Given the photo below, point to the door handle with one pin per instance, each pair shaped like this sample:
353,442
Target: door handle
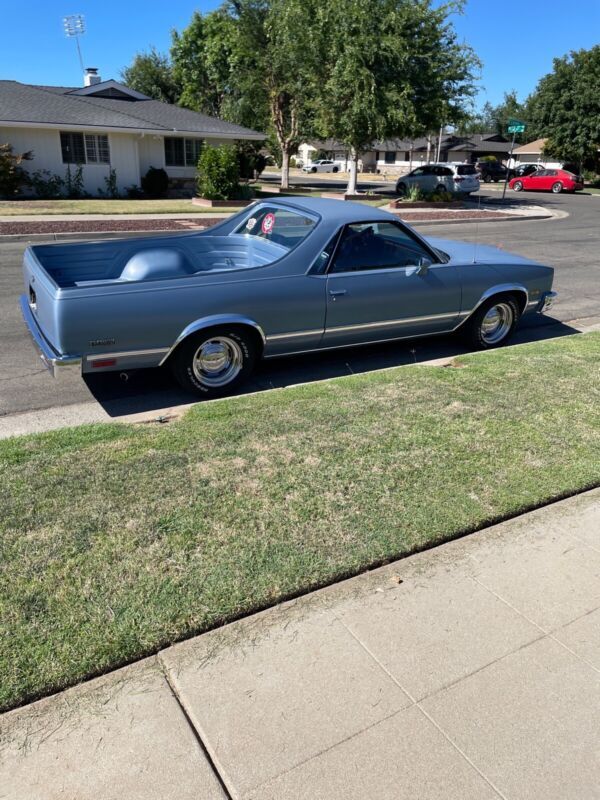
337,293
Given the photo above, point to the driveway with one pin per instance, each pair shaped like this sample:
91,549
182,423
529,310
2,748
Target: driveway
569,245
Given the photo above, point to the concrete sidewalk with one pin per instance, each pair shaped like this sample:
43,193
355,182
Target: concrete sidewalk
467,672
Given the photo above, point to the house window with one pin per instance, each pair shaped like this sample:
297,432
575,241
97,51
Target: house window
390,157
182,152
90,148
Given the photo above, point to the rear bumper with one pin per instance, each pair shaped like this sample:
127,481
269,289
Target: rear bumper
56,363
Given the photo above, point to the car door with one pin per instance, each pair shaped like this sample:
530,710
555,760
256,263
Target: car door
376,289
536,182
422,177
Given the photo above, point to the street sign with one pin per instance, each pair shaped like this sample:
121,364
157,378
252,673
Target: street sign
516,126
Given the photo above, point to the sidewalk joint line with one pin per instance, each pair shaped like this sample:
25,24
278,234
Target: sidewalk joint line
196,733
547,633
425,714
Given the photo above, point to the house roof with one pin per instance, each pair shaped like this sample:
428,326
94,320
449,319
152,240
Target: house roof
477,142
532,148
107,105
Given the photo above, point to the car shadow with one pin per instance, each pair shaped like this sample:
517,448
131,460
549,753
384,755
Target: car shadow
147,390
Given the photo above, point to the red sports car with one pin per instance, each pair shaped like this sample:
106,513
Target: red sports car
548,180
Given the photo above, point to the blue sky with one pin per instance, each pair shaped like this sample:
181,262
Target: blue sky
515,39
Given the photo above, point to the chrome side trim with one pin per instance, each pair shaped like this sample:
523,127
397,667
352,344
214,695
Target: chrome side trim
275,337
392,322
57,364
126,354
210,322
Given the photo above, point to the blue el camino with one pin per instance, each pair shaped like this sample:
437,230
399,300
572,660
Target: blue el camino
283,276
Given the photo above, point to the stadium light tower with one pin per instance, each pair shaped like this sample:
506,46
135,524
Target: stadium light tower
74,26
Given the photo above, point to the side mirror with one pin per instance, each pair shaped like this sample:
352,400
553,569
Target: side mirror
424,264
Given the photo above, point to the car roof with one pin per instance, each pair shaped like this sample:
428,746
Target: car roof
339,211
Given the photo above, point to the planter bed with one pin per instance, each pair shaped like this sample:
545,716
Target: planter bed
202,201
425,204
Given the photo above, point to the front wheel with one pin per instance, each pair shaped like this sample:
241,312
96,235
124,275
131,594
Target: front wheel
493,323
557,187
213,363
314,169
401,189
518,186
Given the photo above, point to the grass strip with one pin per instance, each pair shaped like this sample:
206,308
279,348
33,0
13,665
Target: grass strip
118,540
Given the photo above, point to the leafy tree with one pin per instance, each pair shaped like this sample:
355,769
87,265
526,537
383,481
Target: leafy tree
565,108
12,175
495,119
389,68
151,73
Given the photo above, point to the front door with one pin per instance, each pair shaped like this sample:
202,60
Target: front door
380,286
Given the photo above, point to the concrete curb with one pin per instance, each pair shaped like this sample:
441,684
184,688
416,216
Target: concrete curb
88,413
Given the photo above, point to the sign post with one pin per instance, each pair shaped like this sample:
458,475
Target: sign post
514,126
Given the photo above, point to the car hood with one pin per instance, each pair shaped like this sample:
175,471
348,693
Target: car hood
471,252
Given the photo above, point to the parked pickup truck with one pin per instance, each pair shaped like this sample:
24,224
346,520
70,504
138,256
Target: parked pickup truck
283,276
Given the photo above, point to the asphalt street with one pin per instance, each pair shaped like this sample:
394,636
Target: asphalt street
570,245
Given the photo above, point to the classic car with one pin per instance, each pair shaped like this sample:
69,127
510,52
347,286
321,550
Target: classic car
283,276
548,180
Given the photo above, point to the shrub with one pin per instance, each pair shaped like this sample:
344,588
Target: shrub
134,192
251,161
218,173
12,175
414,194
74,187
155,183
110,182
46,185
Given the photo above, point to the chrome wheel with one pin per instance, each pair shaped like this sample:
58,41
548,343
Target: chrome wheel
497,323
217,361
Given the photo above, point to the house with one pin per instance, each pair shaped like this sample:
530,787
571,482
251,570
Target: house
395,156
532,153
105,126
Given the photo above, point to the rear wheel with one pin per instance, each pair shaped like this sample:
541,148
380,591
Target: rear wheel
214,362
557,187
518,186
335,169
440,187
493,323
487,178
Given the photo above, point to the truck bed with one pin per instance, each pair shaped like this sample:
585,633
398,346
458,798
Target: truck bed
97,263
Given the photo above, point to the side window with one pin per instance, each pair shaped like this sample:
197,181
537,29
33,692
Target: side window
418,171
376,245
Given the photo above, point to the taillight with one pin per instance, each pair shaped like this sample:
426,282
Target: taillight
104,362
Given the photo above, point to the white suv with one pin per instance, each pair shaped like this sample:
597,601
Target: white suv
448,176
322,165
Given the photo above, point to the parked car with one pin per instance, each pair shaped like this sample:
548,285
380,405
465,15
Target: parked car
548,180
282,276
449,177
491,171
322,165
522,170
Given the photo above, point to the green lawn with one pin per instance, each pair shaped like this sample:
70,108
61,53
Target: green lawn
13,208
118,540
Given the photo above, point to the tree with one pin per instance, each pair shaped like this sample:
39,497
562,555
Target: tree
390,68
565,108
151,73
495,119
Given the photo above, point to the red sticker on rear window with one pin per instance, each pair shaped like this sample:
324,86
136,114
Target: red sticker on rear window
268,223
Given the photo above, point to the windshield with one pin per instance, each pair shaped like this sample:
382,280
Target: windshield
277,225
466,169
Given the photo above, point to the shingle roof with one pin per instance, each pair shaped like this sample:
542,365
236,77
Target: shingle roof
56,105
532,148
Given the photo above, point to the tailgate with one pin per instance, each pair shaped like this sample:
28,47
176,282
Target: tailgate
42,296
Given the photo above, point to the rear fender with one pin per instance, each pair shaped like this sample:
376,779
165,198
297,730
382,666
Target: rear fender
211,322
